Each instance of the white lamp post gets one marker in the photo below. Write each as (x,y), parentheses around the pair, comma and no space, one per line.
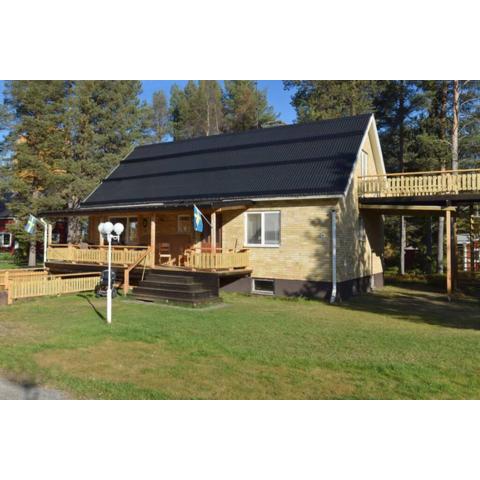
(106,230)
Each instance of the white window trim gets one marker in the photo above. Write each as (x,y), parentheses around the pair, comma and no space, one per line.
(262,244)
(10,243)
(263,292)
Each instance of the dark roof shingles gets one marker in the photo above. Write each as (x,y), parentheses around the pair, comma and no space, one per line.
(294,160)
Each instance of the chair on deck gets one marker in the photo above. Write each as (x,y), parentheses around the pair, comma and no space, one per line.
(164,254)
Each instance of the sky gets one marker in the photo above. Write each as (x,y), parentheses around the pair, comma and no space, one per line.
(277,96)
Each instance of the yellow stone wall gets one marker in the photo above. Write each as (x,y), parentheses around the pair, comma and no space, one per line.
(305,244)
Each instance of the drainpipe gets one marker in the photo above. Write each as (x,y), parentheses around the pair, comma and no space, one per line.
(45,240)
(334,256)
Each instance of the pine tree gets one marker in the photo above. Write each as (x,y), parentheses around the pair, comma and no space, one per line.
(246,107)
(105,120)
(160,115)
(40,146)
(196,110)
(395,104)
(322,99)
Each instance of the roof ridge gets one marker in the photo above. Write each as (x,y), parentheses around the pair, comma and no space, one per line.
(254,130)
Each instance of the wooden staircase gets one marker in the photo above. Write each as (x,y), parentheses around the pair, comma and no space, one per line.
(178,287)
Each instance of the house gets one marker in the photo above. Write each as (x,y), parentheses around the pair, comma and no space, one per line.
(6,238)
(282,203)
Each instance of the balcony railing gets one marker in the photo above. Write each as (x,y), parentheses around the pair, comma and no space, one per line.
(218,260)
(96,254)
(444,182)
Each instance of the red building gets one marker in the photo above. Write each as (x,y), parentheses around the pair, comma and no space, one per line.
(6,238)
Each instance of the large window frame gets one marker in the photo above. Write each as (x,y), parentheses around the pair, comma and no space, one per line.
(262,243)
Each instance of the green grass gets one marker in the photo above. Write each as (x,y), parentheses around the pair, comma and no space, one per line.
(398,343)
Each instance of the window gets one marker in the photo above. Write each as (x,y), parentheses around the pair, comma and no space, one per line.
(363,163)
(129,235)
(361,229)
(262,229)
(185,223)
(5,239)
(263,287)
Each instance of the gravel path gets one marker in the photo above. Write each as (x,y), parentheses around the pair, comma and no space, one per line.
(18,391)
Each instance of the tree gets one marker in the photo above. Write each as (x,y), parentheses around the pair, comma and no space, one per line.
(246,107)
(105,121)
(196,110)
(40,146)
(160,115)
(322,99)
(65,138)
(395,104)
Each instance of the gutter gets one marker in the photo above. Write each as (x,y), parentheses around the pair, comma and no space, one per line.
(334,256)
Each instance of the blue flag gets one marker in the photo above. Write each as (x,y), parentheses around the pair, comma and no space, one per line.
(31,224)
(197,219)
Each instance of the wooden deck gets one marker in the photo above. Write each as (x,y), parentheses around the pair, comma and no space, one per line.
(420,184)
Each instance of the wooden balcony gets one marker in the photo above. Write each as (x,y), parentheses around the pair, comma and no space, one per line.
(420,184)
(97,254)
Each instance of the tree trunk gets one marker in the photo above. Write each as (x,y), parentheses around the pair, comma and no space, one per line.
(74,225)
(441,229)
(429,245)
(32,254)
(455,122)
(401,146)
(442,135)
(403,242)
(472,243)
(74,230)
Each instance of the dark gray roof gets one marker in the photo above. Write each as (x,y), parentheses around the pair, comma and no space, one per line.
(294,160)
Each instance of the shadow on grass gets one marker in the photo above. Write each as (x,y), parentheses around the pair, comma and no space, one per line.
(420,304)
(89,301)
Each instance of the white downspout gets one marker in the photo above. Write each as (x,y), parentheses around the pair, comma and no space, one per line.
(334,256)
(45,240)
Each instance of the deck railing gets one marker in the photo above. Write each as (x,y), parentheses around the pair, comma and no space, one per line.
(21,273)
(28,287)
(443,182)
(96,254)
(218,260)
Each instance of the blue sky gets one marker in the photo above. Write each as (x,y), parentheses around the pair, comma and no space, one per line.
(277,96)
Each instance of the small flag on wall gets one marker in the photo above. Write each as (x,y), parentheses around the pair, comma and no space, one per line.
(31,224)
(197,219)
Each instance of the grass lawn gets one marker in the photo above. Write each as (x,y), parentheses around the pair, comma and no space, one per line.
(397,343)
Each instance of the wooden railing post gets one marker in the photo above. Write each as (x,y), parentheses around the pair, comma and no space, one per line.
(152,240)
(126,281)
(8,289)
(449,252)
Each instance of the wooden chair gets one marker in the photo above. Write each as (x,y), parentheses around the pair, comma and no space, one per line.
(164,253)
